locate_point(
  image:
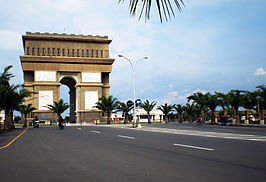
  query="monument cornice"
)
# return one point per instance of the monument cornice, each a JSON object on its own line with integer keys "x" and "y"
{"x": 66, "y": 37}
{"x": 89, "y": 85}
{"x": 89, "y": 111}
{"x": 27, "y": 84}
{"x": 46, "y": 84}
{"x": 46, "y": 111}
{"x": 66, "y": 60}
{"x": 106, "y": 86}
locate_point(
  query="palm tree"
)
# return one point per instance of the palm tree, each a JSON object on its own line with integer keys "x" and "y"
{"x": 190, "y": 110}
{"x": 235, "y": 99}
{"x": 164, "y": 8}
{"x": 148, "y": 107}
{"x": 250, "y": 100}
{"x": 212, "y": 101}
{"x": 179, "y": 109}
{"x": 107, "y": 105}
{"x": 58, "y": 107}
{"x": 11, "y": 96}
{"x": 166, "y": 109}
{"x": 10, "y": 99}
{"x": 6, "y": 76}
{"x": 261, "y": 99}
{"x": 125, "y": 109}
{"x": 25, "y": 110}
{"x": 6, "y": 90}
{"x": 200, "y": 99}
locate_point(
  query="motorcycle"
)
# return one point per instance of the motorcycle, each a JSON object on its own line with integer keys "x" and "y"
{"x": 61, "y": 125}
{"x": 199, "y": 121}
{"x": 35, "y": 124}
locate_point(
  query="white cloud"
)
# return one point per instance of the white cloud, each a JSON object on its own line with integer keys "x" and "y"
{"x": 198, "y": 90}
{"x": 171, "y": 85}
{"x": 129, "y": 37}
{"x": 192, "y": 3}
{"x": 50, "y": 6}
{"x": 176, "y": 97}
{"x": 10, "y": 40}
{"x": 259, "y": 72}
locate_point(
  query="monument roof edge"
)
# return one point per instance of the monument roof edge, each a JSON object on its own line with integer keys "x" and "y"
{"x": 63, "y": 36}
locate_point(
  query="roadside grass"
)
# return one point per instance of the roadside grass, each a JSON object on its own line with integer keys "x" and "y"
{"x": 104, "y": 123}
{"x": 18, "y": 125}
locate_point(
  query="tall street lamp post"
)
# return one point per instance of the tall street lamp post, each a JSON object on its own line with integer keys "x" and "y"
{"x": 134, "y": 86}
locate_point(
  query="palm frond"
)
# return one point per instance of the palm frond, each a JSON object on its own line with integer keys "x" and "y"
{"x": 164, "y": 8}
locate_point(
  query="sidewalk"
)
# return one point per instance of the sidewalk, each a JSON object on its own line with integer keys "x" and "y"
{"x": 7, "y": 136}
{"x": 130, "y": 125}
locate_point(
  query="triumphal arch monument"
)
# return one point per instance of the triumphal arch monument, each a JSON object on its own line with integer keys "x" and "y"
{"x": 80, "y": 62}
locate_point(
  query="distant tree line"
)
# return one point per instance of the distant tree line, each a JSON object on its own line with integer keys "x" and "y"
{"x": 13, "y": 97}
{"x": 199, "y": 104}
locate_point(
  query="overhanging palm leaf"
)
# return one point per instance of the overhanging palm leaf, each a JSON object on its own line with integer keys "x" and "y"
{"x": 165, "y": 8}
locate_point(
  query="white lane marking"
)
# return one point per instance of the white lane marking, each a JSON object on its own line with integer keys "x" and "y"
{"x": 185, "y": 126}
{"x": 207, "y": 134}
{"x": 122, "y": 136}
{"x": 256, "y": 139}
{"x": 194, "y": 147}
{"x": 78, "y": 128}
{"x": 95, "y": 131}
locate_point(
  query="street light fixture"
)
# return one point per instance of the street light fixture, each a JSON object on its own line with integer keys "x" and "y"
{"x": 134, "y": 86}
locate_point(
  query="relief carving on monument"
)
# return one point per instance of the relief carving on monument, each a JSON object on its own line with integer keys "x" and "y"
{"x": 45, "y": 98}
{"x": 45, "y": 76}
{"x": 91, "y": 77}
{"x": 91, "y": 97}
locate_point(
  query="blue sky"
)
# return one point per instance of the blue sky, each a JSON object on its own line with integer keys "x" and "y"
{"x": 213, "y": 45}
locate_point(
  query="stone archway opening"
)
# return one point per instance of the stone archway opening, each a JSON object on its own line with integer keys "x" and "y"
{"x": 71, "y": 83}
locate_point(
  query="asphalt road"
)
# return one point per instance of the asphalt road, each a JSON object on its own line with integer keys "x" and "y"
{"x": 97, "y": 153}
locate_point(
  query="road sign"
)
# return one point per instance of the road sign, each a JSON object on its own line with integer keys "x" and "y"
{"x": 43, "y": 115}
{"x": 130, "y": 103}
{"x": 138, "y": 102}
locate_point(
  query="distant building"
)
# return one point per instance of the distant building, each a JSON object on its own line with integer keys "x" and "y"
{"x": 117, "y": 117}
{"x": 156, "y": 115}
{"x": 2, "y": 116}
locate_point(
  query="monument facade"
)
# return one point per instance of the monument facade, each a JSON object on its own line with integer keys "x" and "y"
{"x": 80, "y": 62}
